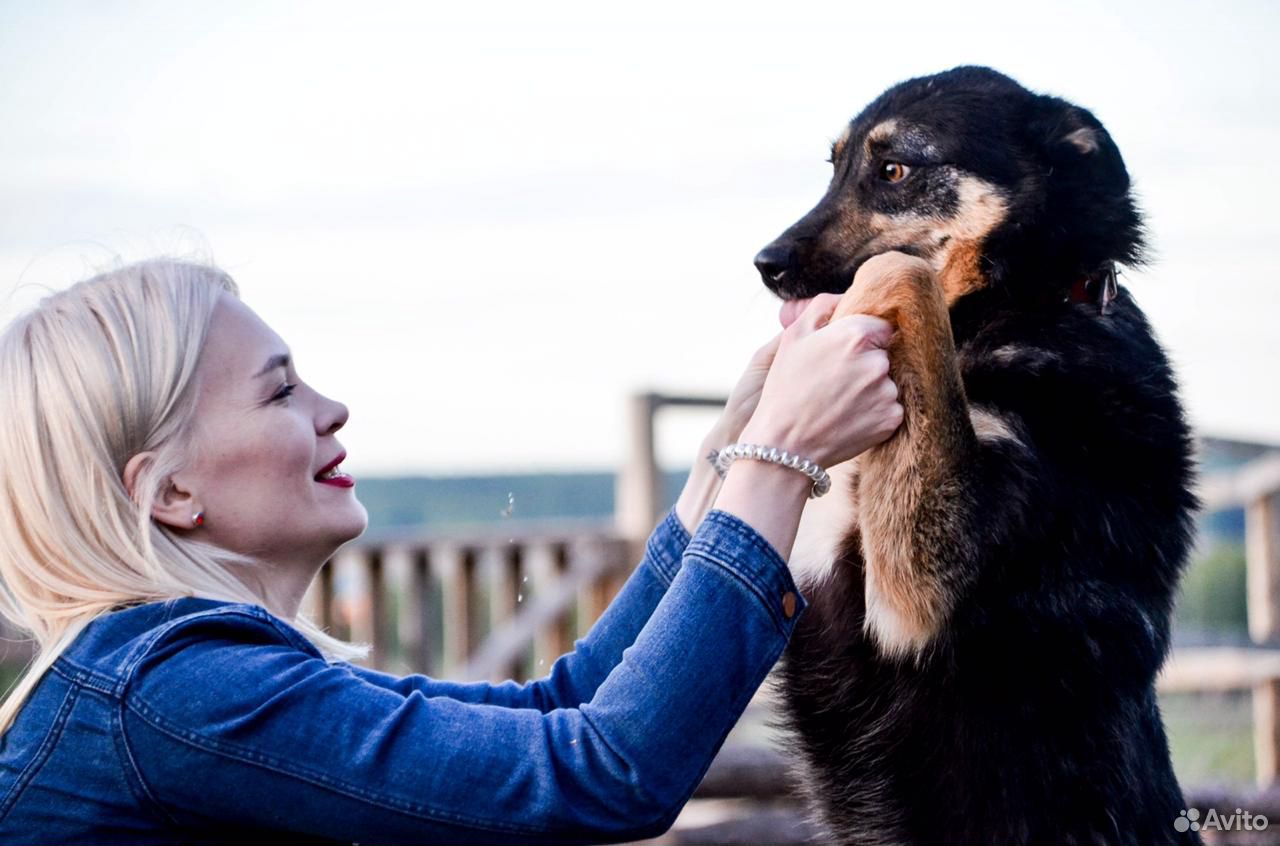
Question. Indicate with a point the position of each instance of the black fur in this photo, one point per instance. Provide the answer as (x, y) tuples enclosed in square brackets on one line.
[(1032, 717)]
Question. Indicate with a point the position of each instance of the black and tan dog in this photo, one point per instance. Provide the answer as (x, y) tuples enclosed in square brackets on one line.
[(991, 588)]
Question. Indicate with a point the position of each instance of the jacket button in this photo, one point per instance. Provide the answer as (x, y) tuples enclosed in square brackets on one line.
[(789, 604)]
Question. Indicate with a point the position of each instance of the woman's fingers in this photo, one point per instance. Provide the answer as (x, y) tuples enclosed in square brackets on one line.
[(815, 315), (868, 332), (763, 357)]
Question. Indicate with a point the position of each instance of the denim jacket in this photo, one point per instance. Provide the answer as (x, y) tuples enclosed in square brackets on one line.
[(194, 720)]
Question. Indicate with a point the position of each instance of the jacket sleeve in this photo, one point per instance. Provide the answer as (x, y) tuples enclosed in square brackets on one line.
[(228, 716), (574, 677)]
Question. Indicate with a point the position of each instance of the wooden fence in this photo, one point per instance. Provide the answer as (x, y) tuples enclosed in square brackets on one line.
[(486, 604), (1255, 487), (499, 602)]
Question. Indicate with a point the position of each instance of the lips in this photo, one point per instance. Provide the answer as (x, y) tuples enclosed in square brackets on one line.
[(331, 475)]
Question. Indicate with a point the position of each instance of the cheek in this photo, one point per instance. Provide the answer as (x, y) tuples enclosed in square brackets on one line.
[(253, 463)]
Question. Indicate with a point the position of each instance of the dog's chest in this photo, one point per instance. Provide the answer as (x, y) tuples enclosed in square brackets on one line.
[(825, 526)]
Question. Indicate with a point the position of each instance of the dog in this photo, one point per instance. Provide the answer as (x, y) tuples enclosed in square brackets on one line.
[(990, 589)]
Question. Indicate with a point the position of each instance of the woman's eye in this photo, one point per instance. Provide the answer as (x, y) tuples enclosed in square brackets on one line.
[(894, 171), (285, 391)]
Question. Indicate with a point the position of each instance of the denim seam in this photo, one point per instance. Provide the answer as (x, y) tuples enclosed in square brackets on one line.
[(751, 585), (236, 610), (586, 718), (141, 649), (126, 753), (290, 634), (655, 552), (42, 754), (742, 531), (76, 674), (404, 806), (664, 578), (711, 552)]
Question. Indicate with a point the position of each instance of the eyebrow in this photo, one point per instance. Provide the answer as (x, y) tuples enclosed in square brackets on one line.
[(278, 360)]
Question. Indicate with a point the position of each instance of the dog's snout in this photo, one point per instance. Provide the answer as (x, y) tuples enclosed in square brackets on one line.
[(773, 262)]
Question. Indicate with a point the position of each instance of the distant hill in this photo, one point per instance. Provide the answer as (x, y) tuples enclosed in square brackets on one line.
[(447, 502)]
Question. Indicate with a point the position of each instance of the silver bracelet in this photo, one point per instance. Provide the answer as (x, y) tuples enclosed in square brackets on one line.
[(721, 459)]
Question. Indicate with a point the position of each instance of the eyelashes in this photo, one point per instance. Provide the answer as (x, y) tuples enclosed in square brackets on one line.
[(284, 393)]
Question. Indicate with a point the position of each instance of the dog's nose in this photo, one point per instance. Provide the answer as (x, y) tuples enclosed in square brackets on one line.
[(773, 262)]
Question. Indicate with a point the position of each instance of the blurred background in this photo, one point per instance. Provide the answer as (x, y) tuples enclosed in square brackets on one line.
[(516, 240)]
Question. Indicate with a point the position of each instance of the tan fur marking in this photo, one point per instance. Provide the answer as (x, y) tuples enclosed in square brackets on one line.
[(989, 426), (905, 600), (982, 209), (1083, 139), (953, 244), (881, 132), (837, 149)]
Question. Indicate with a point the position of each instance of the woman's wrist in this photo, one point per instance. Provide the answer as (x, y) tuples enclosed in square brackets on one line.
[(700, 489), (768, 497), (698, 494)]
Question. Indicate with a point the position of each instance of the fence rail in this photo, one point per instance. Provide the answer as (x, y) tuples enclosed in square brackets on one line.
[(493, 604)]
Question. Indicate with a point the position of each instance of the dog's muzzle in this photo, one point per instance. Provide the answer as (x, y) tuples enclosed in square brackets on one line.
[(773, 262)]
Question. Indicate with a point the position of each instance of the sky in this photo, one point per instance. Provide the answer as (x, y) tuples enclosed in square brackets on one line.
[(483, 227)]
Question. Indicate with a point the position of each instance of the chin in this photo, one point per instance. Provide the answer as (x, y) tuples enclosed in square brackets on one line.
[(356, 522)]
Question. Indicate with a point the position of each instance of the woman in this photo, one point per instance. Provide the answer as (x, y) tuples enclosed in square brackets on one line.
[(170, 488)]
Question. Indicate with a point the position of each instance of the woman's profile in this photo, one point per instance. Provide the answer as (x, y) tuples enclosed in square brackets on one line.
[(170, 486)]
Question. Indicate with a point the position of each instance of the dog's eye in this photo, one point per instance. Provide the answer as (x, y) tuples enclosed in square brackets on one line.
[(894, 171)]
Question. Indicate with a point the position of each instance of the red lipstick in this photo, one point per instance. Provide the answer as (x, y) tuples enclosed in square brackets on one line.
[(330, 475)]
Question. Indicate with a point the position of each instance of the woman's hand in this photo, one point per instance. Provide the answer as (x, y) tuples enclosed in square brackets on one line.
[(828, 397), (700, 488), (744, 397)]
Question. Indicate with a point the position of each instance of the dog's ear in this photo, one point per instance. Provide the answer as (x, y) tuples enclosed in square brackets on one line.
[(1077, 146), (1086, 184)]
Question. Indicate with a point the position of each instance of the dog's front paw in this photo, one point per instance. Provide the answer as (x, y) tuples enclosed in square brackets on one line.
[(885, 284)]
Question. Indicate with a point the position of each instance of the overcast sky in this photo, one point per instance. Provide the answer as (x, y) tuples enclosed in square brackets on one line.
[(481, 228)]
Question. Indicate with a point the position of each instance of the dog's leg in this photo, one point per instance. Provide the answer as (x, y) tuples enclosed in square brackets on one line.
[(915, 502)]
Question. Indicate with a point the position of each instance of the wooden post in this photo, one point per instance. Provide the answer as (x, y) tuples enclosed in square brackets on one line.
[(560, 635), (540, 564), (457, 578), (1262, 556), (638, 494), (416, 629), (379, 618), (430, 625), (505, 592), (594, 596)]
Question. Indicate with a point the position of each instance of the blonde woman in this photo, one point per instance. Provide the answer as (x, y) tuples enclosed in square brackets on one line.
[(169, 486)]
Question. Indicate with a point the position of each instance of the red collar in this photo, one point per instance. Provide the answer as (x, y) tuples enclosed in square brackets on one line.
[(1099, 287)]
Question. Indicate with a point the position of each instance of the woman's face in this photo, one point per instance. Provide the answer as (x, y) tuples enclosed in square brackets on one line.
[(264, 449)]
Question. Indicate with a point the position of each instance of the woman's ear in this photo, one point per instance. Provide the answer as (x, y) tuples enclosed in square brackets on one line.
[(174, 506)]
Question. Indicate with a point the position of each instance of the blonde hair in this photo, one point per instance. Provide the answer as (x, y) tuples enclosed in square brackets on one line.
[(90, 378)]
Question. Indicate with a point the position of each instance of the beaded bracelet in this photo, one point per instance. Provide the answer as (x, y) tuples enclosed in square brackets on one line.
[(721, 459)]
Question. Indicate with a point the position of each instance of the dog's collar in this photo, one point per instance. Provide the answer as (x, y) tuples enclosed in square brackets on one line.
[(1099, 288)]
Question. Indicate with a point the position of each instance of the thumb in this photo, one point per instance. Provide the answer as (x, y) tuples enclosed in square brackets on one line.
[(876, 332)]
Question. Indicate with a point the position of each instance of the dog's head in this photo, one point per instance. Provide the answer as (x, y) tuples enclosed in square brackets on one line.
[(1015, 190)]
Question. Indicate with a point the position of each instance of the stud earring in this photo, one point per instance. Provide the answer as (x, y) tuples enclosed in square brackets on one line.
[(197, 519)]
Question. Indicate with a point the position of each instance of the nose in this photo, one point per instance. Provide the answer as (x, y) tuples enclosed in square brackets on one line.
[(332, 417), (773, 262)]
